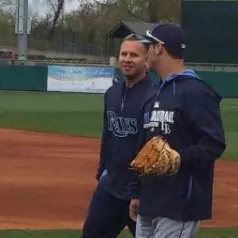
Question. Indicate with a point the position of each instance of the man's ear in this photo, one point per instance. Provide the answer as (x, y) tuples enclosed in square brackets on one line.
[(158, 49), (147, 63)]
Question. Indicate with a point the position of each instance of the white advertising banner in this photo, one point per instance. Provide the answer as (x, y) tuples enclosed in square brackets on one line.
[(88, 79)]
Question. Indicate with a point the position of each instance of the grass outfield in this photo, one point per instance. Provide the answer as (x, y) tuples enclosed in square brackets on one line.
[(203, 233), (69, 113), (81, 114), (229, 109)]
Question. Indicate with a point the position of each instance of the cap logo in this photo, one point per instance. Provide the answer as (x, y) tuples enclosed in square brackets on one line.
[(183, 46)]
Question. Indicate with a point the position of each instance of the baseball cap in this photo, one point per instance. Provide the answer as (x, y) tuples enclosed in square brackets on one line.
[(171, 36)]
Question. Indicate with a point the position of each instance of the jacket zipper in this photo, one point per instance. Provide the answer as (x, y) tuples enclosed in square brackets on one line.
[(123, 99), (160, 89), (190, 187)]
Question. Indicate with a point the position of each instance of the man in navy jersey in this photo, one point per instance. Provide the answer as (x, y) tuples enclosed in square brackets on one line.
[(186, 112), (108, 211)]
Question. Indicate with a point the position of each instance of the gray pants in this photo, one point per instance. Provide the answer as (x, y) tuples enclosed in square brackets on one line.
[(159, 227)]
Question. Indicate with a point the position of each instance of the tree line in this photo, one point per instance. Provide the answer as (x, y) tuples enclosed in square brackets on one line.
[(86, 25)]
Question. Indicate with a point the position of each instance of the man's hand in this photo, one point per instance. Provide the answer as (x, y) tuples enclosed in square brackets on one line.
[(133, 209)]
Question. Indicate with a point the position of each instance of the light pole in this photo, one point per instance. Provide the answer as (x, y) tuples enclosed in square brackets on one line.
[(22, 28)]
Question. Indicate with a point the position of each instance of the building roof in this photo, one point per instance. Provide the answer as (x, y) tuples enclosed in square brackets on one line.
[(124, 28)]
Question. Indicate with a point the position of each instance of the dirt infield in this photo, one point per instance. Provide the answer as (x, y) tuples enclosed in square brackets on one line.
[(46, 181)]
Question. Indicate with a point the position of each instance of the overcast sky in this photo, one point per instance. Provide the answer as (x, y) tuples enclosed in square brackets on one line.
[(37, 5)]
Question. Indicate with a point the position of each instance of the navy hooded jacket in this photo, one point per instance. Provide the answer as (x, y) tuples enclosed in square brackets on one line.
[(123, 118), (185, 111)]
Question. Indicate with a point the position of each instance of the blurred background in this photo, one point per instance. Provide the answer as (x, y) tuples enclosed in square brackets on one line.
[(90, 31), (78, 29)]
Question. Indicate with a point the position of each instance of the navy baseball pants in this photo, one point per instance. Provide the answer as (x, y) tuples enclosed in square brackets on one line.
[(107, 216)]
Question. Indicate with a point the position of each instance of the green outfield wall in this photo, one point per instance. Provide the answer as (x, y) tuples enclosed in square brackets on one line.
[(225, 83), (33, 78)]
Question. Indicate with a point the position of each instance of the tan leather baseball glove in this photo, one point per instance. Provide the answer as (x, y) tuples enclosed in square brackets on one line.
[(157, 157)]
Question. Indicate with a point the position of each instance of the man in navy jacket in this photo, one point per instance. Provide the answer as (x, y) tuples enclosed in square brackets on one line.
[(186, 112), (108, 212)]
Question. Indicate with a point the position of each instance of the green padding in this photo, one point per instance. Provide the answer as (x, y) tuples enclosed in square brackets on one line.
[(32, 78), (225, 83)]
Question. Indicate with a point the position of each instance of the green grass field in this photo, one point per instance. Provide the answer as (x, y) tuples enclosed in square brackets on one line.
[(203, 233), (74, 114), (81, 114)]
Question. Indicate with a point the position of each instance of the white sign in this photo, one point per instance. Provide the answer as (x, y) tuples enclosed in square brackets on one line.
[(88, 79)]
